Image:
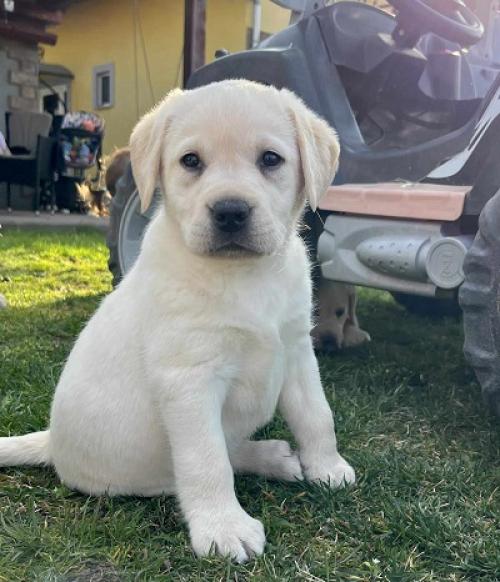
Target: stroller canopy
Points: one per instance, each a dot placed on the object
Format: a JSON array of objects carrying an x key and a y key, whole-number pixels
[{"x": 83, "y": 120}]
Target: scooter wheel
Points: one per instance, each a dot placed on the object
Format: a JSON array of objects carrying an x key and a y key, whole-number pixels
[
  {"x": 125, "y": 188},
  {"x": 480, "y": 301},
  {"x": 127, "y": 225}
]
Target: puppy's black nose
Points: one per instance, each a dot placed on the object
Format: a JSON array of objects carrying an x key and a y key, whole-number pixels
[
  {"x": 230, "y": 215},
  {"x": 327, "y": 344}
]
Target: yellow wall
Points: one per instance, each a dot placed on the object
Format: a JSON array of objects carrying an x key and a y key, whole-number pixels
[
  {"x": 226, "y": 26},
  {"x": 96, "y": 32},
  {"x": 274, "y": 18}
]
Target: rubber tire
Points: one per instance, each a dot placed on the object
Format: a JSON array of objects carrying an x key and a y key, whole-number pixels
[
  {"x": 428, "y": 306},
  {"x": 480, "y": 299},
  {"x": 125, "y": 187}
]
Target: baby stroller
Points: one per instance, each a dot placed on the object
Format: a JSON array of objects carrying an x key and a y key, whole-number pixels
[{"x": 79, "y": 150}]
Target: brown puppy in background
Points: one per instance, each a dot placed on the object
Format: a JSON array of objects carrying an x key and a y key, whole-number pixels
[
  {"x": 116, "y": 166},
  {"x": 95, "y": 199},
  {"x": 96, "y": 193},
  {"x": 337, "y": 324}
]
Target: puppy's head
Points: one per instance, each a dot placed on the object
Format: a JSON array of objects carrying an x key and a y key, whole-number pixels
[
  {"x": 337, "y": 325},
  {"x": 236, "y": 161},
  {"x": 336, "y": 313}
]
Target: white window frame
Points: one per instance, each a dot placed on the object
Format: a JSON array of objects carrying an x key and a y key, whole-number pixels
[{"x": 98, "y": 72}]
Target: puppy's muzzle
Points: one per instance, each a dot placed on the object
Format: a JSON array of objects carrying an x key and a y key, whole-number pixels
[{"x": 230, "y": 215}]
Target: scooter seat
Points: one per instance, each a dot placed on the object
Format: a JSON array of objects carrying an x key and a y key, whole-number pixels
[{"x": 398, "y": 200}]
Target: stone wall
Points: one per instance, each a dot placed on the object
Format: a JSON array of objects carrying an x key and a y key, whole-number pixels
[
  {"x": 23, "y": 61},
  {"x": 18, "y": 78},
  {"x": 19, "y": 64}
]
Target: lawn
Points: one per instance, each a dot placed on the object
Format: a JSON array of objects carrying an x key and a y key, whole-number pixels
[{"x": 409, "y": 417}]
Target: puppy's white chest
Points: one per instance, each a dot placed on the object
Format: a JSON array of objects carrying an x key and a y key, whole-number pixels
[{"x": 253, "y": 395}]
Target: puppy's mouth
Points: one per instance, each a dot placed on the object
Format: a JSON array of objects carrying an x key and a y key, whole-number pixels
[
  {"x": 235, "y": 250},
  {"x": 244, "y": 244}
]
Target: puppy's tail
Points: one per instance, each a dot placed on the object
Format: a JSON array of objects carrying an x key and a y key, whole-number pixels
[{"x": 30, "y": 449}]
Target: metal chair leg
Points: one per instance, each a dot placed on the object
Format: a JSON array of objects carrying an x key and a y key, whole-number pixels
[
  {"x": 9, "y": 197},
  {"x": 52, "y": 196},
  {"x": 36, "y": 199}
]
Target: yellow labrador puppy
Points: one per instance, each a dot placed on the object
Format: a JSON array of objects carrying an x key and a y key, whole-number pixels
[
  {"x": 209, "y": 331},
  {"x": 337, "y": 324}
]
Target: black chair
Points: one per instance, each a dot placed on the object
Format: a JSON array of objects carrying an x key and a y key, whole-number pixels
[{"x": 32, "y": 166}]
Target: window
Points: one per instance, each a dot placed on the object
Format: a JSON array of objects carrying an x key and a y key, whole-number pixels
[{"x": 104, "y": 86}]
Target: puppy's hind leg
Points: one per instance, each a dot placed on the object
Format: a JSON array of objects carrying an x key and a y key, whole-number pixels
[{"x": 272, "y": 458}]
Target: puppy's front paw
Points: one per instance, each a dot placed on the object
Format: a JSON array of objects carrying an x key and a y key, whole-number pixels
[
  {"x": 334, "y": 471},
  {"x": 230, "y": 533},
  {"x": 355, "y": 336},
  {"x": 282, "y": 462}
]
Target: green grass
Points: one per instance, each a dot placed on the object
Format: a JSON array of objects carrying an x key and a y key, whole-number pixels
[{"x": 409, "y": 417}]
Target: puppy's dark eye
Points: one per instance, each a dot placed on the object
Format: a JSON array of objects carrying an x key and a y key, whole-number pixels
[
  {"x": 191, "y": 161},
  {"x": 271, "y": 159},
  {"x": 339, "y": 313}
]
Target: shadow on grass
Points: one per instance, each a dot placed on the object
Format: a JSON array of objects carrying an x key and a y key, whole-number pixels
[
  {"x": 412, "y": 378},
  {"x": 43, "y": 329},
  {"x": 34, "y": 344}
]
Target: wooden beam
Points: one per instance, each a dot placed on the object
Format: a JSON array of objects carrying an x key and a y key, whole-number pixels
[
  {"x": 47, "y": 4},
  {"x": 194, "y": 36},
  {"x": 30, "y": 18},
  {"x": 47, "y": 16},
  {"x": 17, "y": 30},
  {"x": 58, "y": 4}
]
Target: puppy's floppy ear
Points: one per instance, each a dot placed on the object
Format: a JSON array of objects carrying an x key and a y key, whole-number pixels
[
  {"x": 353, "y": 301},
  {"x": 146, "y": 144},
  {"x": 318, "y": 146}
]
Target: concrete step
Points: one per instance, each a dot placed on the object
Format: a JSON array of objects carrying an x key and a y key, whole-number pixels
[{"x": 27, "y": 219}]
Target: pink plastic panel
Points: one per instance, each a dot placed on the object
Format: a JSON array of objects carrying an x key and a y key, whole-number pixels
[{"x": 398, "y": 200}]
